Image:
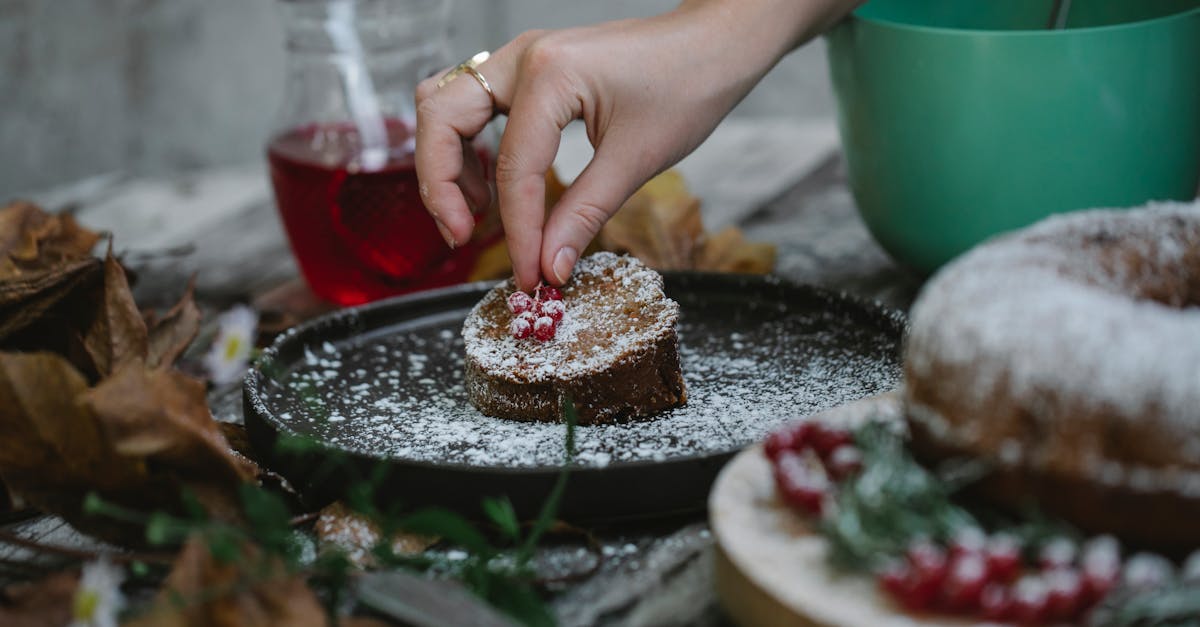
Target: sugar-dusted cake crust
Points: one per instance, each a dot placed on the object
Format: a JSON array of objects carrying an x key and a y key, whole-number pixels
[
  {"x": 1067, "y": 356},
  {"x": 616, "y": 352}
]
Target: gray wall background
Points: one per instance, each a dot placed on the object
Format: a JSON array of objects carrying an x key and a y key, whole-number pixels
[{"x": 153, "y": 86}]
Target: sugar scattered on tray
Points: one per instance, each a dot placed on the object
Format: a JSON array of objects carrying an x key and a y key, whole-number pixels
[{"x": 793, "y": 365}]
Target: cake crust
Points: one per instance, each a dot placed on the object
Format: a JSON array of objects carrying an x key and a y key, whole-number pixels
[
  {"x": 1067, "y": 358},
  {"x": 615, "y": 353}
]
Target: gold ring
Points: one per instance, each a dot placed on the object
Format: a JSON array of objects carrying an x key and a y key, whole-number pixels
[{"x": 468, "y": 67}]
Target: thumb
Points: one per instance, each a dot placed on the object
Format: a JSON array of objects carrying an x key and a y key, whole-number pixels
[{"x": 597, "y": 193}]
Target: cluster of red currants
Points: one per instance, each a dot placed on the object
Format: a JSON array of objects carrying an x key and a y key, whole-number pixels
[
  {"x": 536, "y": 315},
  {"x": 992, "y": 576},
  {"x": 987, "y": 576},
  {"x": 808, "y": 458}
]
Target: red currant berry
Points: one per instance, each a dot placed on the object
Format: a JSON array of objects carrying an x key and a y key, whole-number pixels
[
  {"x": 1057, "y": 552},
  {"x": 553, "y": 309},
  {"x": 799, "y": 486},
  {"x": 968, "y": 540},
  {"x": 790, "y": 437},
  {"x": 899, "y": 579},
  {"x": 519, "y": 303},
  {"x": 544, "y": 329},
  {"x": 520, "y": 328},
  {"x": 546, "y": 292},
  {"x": 965, "y": 581},
  {"x": 1003, "y": 555},
  {"x": 1066, "y": 595},
  {"x": 778, "y": 442},
  {"x": 844, "y": 461},
  {"x": 825, "y": 439},
  {"x": 1030, "y": 600},
  {"x": 929, "y": 565},
  {"x": 996, "y": 602},
  {"x": 1100, "y": 563}
]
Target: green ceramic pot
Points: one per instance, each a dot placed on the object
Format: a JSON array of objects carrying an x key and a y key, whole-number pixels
[{"x": 961, "y": 119}]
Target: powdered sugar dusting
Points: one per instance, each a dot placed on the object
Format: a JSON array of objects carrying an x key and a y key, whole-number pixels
[
  {"x": 749, "y": 366},
  {"x": 577, "y": 347},
  {"x": 1077, "y": 307}
]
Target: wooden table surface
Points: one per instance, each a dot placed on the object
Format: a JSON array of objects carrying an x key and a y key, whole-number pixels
[{"x": 222, "y": 226}]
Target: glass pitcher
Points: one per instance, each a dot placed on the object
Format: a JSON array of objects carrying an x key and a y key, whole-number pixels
[{"x": 341, "y": 157}]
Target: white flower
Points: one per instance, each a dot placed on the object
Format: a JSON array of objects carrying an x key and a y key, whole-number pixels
[
  {"x": 227, "y": 360},
  {"x": 98, "y": 598}
]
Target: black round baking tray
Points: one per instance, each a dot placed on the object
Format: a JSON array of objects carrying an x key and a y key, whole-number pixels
[{"x": 756, "y": 351}]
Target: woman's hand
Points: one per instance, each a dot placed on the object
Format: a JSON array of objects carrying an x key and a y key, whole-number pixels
[{"x": 649, "y": 91}]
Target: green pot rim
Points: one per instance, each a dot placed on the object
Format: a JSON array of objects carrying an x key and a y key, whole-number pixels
[{"x": 1040, "y": 32}]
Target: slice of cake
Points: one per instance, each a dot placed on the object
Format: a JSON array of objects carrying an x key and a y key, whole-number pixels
[{"x": 606, "y": 339}]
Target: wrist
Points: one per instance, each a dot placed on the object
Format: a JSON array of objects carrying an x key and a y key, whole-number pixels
[{"x": 768, "y": 29}]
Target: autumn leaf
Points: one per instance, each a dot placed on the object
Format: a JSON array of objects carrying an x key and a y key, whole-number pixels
[
  {"x": 253, "y": 590},
  {"x": 171, "y": 334},
  {"x": 661, "y": 224},
  {"x": 356, "y": 535},
  {"x": 51, "y": 439},
  {"x": 30, "y": 299},
  {"x": 43, "y": 603},
  {"x": 139, "y": 438},
  {"x": 162, "y": 417},
  {"x": 728, "y": 251},
  {"x": 33, "y": 241},
  {"x": 118, "y": 333}
]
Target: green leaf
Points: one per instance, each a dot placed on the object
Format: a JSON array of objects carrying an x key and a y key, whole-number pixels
[
  {"x": 549, "y": 511},
  {"x": 1175, "y": 604},
  {"x": 295, "y": 444},
  {"x": 162, "y": 528},
  {"x": 191, "y": 506},
  {"x": 265, "y": 510},
  {"x": 224, "y": 544},
  {"x": 93, "y": 504},
  {"x": 436, "y": 521},
  {"x": 501, "y": 512},
  {"x": 520, "y": 601}
]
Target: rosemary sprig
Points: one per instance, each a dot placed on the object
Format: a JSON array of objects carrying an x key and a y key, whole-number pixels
[{"x": 894, "y": 500}]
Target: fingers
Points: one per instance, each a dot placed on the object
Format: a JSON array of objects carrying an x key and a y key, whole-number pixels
[
  {"x": 445, "y": 116},
  {"x": 473, "y": 180},
  {"x": 527, "y": 150},
  {"x": 597, "y": 193}
]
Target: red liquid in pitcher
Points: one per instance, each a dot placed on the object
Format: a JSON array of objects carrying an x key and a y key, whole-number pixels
[{"x": 360, "y": 235}]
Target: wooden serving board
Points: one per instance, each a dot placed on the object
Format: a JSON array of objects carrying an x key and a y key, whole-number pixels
[{"x": 771, "y": 566}]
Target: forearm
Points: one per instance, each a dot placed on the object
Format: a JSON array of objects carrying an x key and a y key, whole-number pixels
[{"x": 763, "y": 31}]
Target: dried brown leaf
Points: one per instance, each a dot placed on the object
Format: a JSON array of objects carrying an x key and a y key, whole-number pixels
[
  {"x": 356, "y": 535},
  {"x": 660, "y": 224},
  {"x": 728, "y": 251},
  {"x": 32, "y": 240},
  {"x": 170, "y": 335},
  {"x": 162, "y": 416},
  {"x": 256, "y": 590},
  {"x": 138, "y": 438},
  {"x": 44, "y": 603},
  {"x": 118, "y": 334},
  {"x": 28, "y": 299},
  {"x": 53, "y": 451}
]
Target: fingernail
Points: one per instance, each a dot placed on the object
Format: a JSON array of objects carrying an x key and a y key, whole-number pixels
[
  {"x": 445, "y": 233},
  {"x": 564, "y": 261}
]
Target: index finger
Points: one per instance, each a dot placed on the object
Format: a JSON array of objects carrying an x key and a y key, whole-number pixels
[{"x": 527, "y": 149}]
